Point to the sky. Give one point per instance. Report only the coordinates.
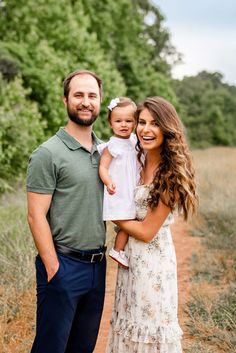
(204, 31)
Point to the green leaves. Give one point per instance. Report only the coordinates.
(208, 107)
(124, 42)
(21, 129)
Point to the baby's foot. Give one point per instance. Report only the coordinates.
(120, 257)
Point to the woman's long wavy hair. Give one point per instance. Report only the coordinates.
(173, 182)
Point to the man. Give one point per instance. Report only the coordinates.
(65, 218)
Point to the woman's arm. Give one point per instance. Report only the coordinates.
(146, 230)
(105, 162)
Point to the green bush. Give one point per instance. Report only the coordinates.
(21, 129)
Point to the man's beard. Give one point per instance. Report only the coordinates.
(74, 116)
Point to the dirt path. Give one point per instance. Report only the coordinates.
(185, 245)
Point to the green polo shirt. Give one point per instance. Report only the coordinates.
(65, 169)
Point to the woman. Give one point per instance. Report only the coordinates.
(144, 318)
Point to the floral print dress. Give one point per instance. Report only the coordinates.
(144, 318)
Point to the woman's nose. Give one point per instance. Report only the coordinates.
(146, 127)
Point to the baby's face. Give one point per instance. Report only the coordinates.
(122, 121)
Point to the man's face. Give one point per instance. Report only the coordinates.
(83, 102)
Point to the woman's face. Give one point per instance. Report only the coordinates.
(149, 133)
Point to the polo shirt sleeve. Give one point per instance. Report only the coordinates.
(41, 173)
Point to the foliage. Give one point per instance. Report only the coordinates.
(47, 45)
(21, 129)
(125, 43)
(208, 109)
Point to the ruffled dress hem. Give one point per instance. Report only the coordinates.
(144, 334)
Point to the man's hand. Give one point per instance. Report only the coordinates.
(52, 270)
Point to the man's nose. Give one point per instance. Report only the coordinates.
(85, 101)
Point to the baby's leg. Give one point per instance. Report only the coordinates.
(117, 253)
(121, 240)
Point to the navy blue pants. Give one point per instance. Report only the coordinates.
(69, 306)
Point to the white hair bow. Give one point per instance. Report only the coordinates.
(113, 103)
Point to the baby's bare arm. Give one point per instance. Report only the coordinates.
(105, 162)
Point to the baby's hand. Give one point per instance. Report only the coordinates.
(111, 188)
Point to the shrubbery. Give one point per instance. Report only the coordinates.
(21, 127)
(125, 42)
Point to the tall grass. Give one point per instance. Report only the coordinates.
(16, 261)
(212, 309)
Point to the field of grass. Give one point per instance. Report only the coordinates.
(211, 324)
(212, 309)
(16, 269)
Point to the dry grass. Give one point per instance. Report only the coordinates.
(216, 175)
(16, 271)
(212, 309)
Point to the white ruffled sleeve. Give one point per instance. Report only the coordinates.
(101, 147)
(114, 147)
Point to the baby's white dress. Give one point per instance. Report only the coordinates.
(144, 317)
(124, 172)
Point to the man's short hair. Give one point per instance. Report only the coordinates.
(66, 82)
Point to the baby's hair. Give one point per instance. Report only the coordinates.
(123, 102)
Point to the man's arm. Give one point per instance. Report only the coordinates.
(38, 206)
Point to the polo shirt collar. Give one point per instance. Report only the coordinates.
(71, 142)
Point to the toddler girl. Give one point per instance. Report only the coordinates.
(119, 171)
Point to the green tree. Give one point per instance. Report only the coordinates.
(21, 129)
(208, 109)
(49, 43)
(133, 44)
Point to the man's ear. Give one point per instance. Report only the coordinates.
(64, 101)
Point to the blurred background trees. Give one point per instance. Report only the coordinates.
(125, 42)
